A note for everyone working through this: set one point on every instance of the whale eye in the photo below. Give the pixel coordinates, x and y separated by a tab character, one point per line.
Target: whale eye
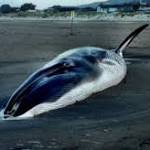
68	64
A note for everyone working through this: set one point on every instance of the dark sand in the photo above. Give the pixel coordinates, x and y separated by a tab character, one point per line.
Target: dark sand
115	119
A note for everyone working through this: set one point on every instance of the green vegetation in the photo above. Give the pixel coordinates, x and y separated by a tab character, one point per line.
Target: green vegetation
42	14
67	14
45	14
27	6
5	8
123	14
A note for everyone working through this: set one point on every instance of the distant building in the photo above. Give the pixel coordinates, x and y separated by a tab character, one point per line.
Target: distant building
144	2
144	5
124	6
109	8
106	9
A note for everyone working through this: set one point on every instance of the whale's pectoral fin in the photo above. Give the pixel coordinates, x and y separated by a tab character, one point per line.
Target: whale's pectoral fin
129	39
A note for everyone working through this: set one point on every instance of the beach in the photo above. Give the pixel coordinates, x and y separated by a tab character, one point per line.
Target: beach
115	119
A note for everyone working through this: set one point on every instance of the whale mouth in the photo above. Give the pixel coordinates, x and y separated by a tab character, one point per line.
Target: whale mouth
7	116
10	111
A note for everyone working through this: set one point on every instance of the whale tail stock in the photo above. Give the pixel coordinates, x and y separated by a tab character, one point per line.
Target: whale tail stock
129	39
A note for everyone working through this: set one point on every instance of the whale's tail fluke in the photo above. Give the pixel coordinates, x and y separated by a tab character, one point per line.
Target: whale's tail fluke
129	39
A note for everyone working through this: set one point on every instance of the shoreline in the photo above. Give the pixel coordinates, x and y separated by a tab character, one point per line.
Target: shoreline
117	118
95	18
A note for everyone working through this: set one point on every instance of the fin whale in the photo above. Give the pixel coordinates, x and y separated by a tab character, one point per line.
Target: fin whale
70	77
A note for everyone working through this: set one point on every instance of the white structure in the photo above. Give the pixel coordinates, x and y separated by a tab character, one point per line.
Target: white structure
106	10
142	2
98	9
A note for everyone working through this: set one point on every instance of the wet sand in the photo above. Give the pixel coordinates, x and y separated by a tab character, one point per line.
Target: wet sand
115	119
